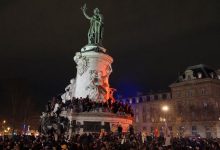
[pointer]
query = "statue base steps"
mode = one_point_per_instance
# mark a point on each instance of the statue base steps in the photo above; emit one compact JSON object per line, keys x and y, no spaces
{"x":97,"y":121}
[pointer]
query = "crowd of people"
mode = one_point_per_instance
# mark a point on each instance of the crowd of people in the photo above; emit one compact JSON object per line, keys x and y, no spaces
{"x":107,"y":141}
{"x":87,"y":105}
{"x":104,"y":140}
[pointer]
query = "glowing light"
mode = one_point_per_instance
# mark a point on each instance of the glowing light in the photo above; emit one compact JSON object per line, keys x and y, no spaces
{"x":165,"y":108}
{"x":8,"y":128}
{"x":4,"y":121}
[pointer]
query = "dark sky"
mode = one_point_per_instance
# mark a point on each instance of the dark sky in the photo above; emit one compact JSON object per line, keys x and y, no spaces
{"x":150,"y":41}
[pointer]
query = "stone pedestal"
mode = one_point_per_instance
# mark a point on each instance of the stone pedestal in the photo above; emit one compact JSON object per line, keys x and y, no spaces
{"x":96,"y":121}
{"x":93,"y":71}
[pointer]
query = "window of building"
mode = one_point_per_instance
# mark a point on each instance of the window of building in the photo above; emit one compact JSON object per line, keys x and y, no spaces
{"x":144,"y":118}
{"x":205,"y":104}
{"x":203,"y":91}
{"x":193,"y":115}
{"x":123,"y":101}
{"x":137,"y":99}
{"x":136,"y":118}
{"x":208,"y":132}
{"x":148,"y":116}
{"x":194,"y":130}
{"x":189,"y":93}
{"x":164,"y":96}
{"x":144,"y":109}
{"x":169,"y":96}
{"x":216,"y":104}
{"x":144,"y":98}
{"x":152,"y":119}
{"x":159,"y":96}
{"x":152,"y":97}
{"x":134,"y":100}
{"x":178,"y":94}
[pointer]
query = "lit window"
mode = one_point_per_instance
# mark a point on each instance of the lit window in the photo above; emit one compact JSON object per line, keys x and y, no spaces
{"x":137,"y":100}
{"x":130,"y":101}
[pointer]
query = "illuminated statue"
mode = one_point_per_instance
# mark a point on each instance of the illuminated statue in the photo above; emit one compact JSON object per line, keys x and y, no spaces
{"x":95,"y":33}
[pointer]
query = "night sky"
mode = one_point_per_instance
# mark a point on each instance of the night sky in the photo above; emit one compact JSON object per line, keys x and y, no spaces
{"x":150,"y":41}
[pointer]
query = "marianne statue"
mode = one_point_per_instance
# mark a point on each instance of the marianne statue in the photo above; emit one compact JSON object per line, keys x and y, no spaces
{"x":95,"y":33}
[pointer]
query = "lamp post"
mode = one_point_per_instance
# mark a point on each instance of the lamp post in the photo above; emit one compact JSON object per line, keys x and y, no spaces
{"x":3,"y":127}
{"x":165,"y":109}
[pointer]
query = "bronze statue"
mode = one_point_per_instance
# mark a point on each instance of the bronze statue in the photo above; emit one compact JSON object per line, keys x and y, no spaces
{"x":95,"y":33}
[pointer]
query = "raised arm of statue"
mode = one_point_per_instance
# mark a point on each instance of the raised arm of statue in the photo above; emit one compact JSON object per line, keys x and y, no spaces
{"x":84,"y":11}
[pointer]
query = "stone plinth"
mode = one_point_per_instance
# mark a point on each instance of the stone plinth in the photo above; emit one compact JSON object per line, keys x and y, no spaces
{"x":93,"y":71}
{"x":95,"y":121}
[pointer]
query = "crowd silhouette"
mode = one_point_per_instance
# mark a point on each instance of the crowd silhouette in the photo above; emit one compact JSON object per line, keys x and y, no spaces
{"x":107,"y":141}
{"x":79,"y":105}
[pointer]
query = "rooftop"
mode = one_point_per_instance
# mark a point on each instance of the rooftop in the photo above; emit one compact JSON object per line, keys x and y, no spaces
{"x":200,"y":71}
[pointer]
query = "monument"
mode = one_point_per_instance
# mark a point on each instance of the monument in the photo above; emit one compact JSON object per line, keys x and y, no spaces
{"x":91,"y":86}
{"x":93,"y":64}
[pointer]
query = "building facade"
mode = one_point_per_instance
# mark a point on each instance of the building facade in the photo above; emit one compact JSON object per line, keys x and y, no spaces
{"x":190,"y":108}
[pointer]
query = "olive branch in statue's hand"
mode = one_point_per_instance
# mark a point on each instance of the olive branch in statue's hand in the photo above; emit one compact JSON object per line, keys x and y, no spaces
{"x":84,"y":7}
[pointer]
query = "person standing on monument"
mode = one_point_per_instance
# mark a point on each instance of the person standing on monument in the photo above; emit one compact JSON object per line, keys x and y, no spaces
{"x":95,"y":34}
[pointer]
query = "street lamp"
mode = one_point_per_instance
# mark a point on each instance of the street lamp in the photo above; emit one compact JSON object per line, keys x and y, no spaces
{"x":165,"y":109}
